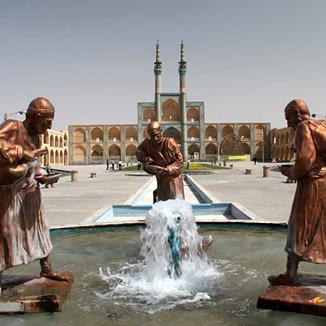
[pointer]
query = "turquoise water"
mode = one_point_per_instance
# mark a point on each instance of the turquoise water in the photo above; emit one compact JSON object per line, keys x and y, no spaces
{"x":244,"y":256}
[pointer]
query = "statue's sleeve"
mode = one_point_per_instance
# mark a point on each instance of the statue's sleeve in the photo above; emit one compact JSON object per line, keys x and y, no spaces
{"x":176,"y":167}
{"x":305,"y":152}
{"x":9,"y":152}
{"x":142,"y":155}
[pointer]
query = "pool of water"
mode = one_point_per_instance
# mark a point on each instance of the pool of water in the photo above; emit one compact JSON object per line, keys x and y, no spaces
{"x":243,"y":256}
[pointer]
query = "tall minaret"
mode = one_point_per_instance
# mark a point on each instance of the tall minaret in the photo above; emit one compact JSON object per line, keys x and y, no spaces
{"x":157,"y":72}
{"x":183,"y":102}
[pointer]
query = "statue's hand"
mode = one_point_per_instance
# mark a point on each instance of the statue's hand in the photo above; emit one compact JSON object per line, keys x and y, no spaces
{"x":33,"y":155}
{"x":29,"y":156}
{"x":40,"y":152}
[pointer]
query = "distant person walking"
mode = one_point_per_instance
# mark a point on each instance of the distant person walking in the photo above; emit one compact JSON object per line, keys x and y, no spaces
{"x":255,"y":160}
{"x":107,"y":164}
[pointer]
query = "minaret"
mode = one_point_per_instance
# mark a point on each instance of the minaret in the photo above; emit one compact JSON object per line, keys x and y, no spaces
{"x":157,"y":72}
{"x":183,"y":102}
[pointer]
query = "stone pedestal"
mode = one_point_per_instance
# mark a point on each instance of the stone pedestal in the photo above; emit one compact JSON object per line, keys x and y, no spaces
{"x":74,"y":176}
{"x":22,"y":294}
{"x":307,"y":296}
{"x":266,"y":171}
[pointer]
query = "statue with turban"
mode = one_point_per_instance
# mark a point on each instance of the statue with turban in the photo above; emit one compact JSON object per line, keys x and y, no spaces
{"x":161,"y":157}
{"x":24,"y":231}
{"x":307,"y":224}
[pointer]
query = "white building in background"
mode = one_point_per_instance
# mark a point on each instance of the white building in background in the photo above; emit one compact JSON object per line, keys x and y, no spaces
{"x":56,"y":143}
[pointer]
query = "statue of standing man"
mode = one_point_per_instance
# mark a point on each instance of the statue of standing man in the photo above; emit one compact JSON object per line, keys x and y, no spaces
{"x":307,"y":224}
{"x":161,"y":157}
{"x":24,"y":231}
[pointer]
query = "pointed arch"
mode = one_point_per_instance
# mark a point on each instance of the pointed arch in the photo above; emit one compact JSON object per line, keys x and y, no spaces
{"x":227,"y":130}
{"x":114,"y":152}
{"x":149,"y":115}
{"x":211,"y":133}
{"x":79,"y":153}
{"x":193,"y":115}
{"x":170,"y":110}
{"x":193,"y":133}
{"x":114,"y":134}
{"x":79,"y":135}
{"x":97,"y":134}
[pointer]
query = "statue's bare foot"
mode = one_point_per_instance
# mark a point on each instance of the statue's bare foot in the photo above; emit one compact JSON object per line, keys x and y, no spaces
{"x":282,"y":279}
{"x":55,"y":276}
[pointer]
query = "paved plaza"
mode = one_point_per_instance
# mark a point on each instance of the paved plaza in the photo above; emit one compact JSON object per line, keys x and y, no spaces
{"x":75,"y":203}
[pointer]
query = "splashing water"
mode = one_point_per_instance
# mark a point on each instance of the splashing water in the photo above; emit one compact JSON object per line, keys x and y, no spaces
{"x":173,"y":270}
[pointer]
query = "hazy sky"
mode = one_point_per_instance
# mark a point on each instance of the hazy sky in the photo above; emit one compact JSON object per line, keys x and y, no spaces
{"x":94,"y":59}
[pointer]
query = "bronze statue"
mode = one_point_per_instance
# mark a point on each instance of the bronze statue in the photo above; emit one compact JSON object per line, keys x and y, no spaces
{"x":24,"y":232}
{"x":161,"y":157}
{"x":307,"y":224}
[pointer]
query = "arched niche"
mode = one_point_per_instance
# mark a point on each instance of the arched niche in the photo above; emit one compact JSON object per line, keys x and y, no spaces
{"x":97,"y":134}
{"x":211,"y":149}
{"x":149,"y":115}
{"x":131,"y":150}
{"x":193,"y":133}
{"x":244,"y":132}
{"x":114,"y":134}
{"x":193,"y":115}
{"x":226,"y":131}
{"x":79,"y":135}
{"x":114,"y":152}
{"x":260,"y":132}
{"x":170,"y":110}
{"x":211,"y":133}
{"x":79,"y":153}
{"x":131,"y":134}
{"x":193,"y":148}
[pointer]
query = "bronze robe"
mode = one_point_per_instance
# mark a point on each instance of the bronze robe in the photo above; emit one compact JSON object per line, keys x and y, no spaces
{"x":24,"y":232}
{"x":307,"y":223}
{"x":170,"y":185}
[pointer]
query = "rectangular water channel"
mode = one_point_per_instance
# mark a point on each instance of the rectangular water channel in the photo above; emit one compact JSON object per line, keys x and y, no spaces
{"x":205,"y":207}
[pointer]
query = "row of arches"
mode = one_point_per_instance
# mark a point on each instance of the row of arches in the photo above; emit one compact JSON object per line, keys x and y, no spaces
{"x":171,"y":112}
{"x":54,"y":157}
{"x":97,"y":134}
{"x":97,"y":153}
{"x":114,"y":152}
{"x":55,"y":140}
{"x":284,"y":153}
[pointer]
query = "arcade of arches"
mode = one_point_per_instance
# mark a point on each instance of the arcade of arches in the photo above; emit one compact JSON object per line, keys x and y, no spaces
{"x":282,"y":144}
{"x":56,"y":142}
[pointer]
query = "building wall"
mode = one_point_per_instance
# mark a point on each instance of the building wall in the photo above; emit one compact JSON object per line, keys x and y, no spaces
{"x":94,"y":144}
{"x":282,"y":141}
{"x":56,"y":143}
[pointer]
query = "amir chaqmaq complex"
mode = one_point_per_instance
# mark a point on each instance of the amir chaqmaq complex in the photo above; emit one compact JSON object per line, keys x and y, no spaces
{"x":181,"y":119}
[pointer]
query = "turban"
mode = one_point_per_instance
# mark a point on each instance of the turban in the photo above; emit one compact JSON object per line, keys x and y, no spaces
{"x":40,"y":105}
{"x":300,"y":105}
{"x":153,"y":125}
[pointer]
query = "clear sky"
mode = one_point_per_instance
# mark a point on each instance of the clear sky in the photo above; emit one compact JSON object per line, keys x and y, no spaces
{"x":94,"y":59}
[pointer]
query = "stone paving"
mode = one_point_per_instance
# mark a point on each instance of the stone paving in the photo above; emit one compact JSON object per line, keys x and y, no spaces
{"x":270,"y":198}
{"x":75,"y":203}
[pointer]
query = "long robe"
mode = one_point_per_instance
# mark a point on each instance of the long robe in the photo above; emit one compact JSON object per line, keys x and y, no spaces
{"x":307,"y":223}
{"x":168,"y":155}
{"x":24,"y":231}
